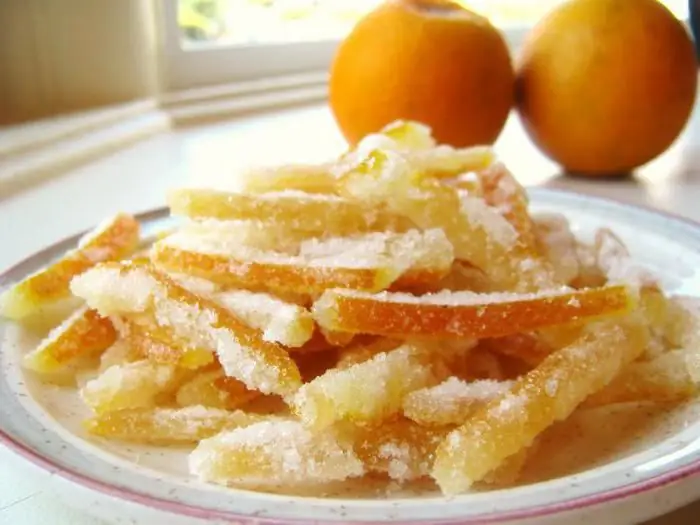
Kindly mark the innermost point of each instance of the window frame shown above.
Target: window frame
(206, 65)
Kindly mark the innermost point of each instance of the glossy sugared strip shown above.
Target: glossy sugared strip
(399, 448)
(198, 321)
(211, 388)
(286, 323)
(526, 347)
(131, 385)
(479, 234)
(452, 401)
(158, 344)
(113, 240)
(368, 391)
(300, 177)
(269, 275)
(663, 379)
(274, 453)
(302, 211)
(85, 333)
(372, 262)
(167, 426)
(502, 191)
(510, 422)
(465, 314)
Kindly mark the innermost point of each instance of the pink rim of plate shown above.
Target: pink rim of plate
(173, 507)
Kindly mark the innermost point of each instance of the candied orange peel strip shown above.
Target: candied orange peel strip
(452, 401)
(414, 142)
(285, 273)
(361, 351)
(479, 234)
(465, 314)
(279, 321)
(167, 426)
(274, 453)
(241, 350)
(558, 245)
(132, 385)
(150, 341)
(474, 364)
(682, 329)
(549, 393)
(257, 234)
(369, 391)
(119, 353)
(112, 240)
(614, 260)
(663, 379)
(371, 262)
(300, 177)
(302, 211)
(211, 388)
(502, 191)
(400, 448)
(85, 333)
(527, 347)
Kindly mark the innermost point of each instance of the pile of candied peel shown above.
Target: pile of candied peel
(397, 312)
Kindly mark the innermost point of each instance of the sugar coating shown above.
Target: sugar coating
(412, 249)
(368, 391)
(449, 298)
(311, 212)
(451, 160)
(512, 405)
(429, 249)
(111, 290)
(415, 143)
(274, 452)
(303, 177)
(510, 422)
(282, 322)
(463, 314)
(241, 351)
(665, 378)
(130, 385)
(259, 234)
(196, 285)
(452, 401)
(558, 244)
(203, 390)
(614, 259)
(202, 328)
(386, 178)
(479, 214)
(119, 353)
(400, 448)
(682, 329)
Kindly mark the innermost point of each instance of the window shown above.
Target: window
(220, 41)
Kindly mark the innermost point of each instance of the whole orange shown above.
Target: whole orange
(426, 60)
(604, 86)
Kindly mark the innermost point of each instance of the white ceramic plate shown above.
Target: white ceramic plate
(150, 485)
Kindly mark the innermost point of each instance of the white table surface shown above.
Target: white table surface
(135, 180)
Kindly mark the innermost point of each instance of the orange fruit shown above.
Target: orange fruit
(430, 61)
(604, 86)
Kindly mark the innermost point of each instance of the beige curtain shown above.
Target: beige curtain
(58, 56)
